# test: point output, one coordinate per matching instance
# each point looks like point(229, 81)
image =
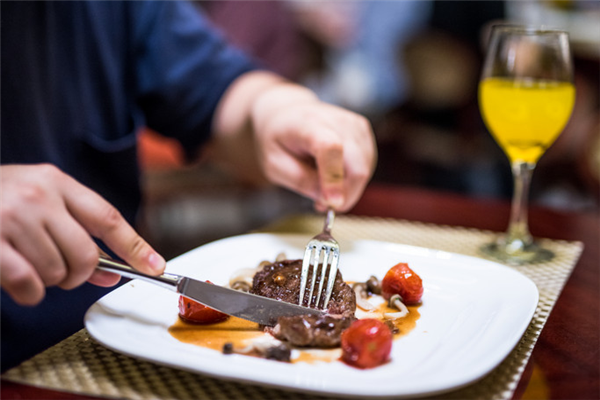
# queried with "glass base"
point(516, 252)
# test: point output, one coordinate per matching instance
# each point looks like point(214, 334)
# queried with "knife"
point(251, 307)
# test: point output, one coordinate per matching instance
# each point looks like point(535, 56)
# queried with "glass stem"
point(518, 229)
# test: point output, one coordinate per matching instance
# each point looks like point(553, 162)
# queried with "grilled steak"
point(311, 330)
point(281, 281)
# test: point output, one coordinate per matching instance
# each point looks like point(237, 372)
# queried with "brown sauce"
point(240, 333)
point(405, 324)
point(234, 330)
point(312, 356)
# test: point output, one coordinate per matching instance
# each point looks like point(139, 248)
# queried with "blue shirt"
point(79, 78)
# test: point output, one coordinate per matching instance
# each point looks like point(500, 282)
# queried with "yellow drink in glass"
point(525, 116)
point(526, 96)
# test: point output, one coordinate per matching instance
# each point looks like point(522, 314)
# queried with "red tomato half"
point(367, 343)
point(196, 313)
point(402, 280)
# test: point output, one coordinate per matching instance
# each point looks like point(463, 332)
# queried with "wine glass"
point(526, 96)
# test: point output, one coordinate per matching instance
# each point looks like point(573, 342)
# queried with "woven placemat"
point(81, 365)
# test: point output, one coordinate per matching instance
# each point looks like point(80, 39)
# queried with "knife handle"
point(166, 281)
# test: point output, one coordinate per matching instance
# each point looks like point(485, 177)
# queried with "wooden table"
point(566, 359)
point(565, 363)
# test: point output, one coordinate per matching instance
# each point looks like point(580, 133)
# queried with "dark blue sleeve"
point(183, 68)
point(75, 78)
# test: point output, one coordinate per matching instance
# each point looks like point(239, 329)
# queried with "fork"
point(322, 250)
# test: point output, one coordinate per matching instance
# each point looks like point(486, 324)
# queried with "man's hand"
point(47, 220)
point(317, 149)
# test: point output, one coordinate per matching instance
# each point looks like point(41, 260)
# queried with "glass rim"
point(528, 29)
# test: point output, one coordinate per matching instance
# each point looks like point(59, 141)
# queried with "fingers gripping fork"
point(319, 267)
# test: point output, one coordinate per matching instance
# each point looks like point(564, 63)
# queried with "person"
point(364, 68)
point(78, 80)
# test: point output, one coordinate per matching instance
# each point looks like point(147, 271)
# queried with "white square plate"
point(473, 314)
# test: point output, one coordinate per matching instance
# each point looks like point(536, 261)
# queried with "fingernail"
point(336, 200)
point(157, 263)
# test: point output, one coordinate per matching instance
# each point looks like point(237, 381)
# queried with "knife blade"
point(251, 307)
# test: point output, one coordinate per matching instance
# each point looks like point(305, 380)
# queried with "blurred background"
point(411, 67)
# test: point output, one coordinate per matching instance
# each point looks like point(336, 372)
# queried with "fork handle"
point(166, 281)
point(329, 221)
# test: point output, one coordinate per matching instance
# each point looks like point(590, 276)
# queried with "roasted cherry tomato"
point(402, 280)
point(367, 343)
point(196, 313)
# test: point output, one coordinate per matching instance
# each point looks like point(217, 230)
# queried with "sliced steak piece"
point(281, 281)
point(312, 331)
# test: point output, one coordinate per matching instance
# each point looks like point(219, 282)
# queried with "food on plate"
point(281, 281)
point(278, 351)
point(196, 313)
point(367, 343)
point(238, 331)
point(364, 290)
point(362, 319)
point(312, 331)
point(373, 285)
point(242, 278)
point(396, 302)
point(403, 281)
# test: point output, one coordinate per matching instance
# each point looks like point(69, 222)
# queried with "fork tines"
point(319, 268)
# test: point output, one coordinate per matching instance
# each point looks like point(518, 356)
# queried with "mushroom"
point(373, 285)
point(244, 275)
point(272, 350)
point(360, 289)
point(396, 302)
point(242, 278)
point(242, 286)
point(392, 326)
